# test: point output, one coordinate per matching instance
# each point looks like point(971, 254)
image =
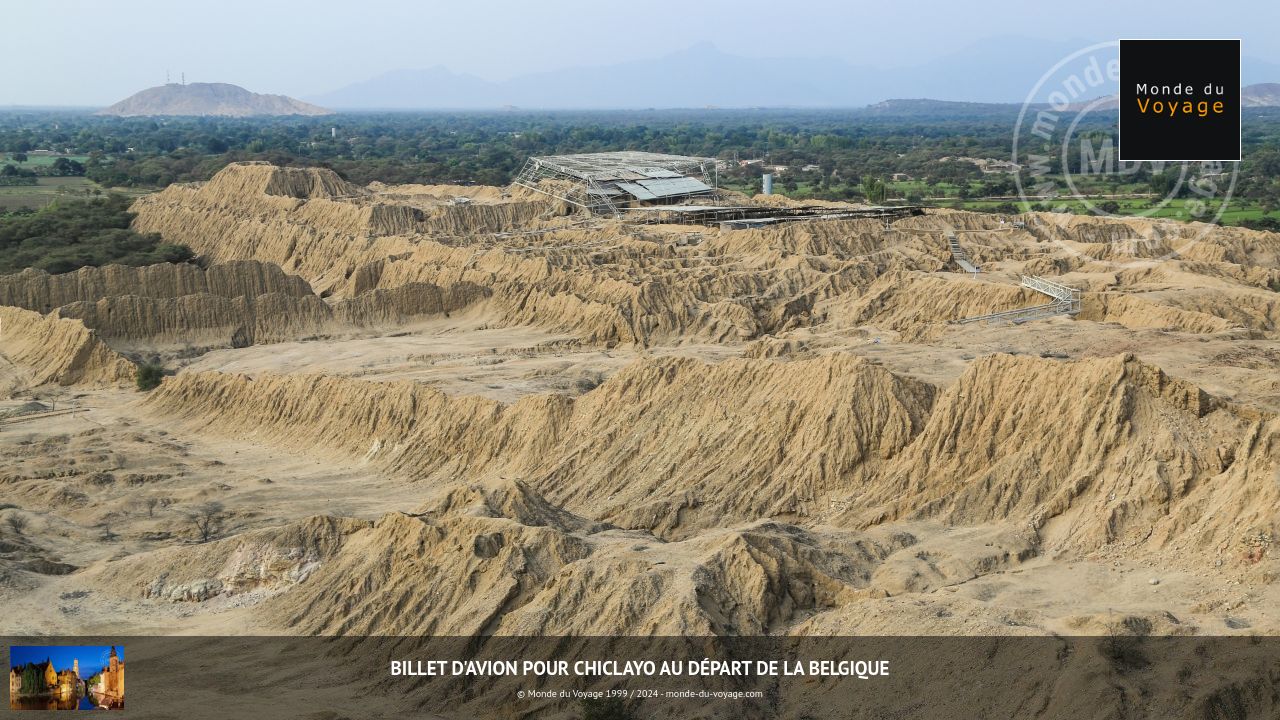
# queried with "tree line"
point(827, 153)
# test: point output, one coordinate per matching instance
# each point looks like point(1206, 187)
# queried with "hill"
point(201, 99)
point(1261, 95)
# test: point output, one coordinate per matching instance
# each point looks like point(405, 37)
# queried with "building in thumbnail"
point(110, 687)
point(69, 680)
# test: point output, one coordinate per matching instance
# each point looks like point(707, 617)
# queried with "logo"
point(1180, 100)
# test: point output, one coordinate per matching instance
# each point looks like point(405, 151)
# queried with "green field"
point(1237, 210)
point(946, 195)
point(50, 189)
point(35, 161)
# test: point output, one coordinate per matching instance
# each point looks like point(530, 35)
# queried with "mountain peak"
point(208, 99)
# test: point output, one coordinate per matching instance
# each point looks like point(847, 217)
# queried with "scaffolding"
point(604, 183)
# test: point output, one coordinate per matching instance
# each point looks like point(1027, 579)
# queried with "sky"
point(95, 52)
point(92, 657)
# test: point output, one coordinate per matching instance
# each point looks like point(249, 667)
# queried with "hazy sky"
point(94, 52)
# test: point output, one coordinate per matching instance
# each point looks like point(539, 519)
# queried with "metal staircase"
point(1066, 301)
point(958, 254)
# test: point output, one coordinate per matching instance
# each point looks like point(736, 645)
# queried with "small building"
point(901, 177)
point(998, 166)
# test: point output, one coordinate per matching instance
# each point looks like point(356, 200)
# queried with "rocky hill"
point(1261, 95)
point(204, 99)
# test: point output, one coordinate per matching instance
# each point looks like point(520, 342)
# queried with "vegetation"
point(77, 233)
point(11, 175)
point(207, 518)
point(17, 523)
point(150, 503)
point(874, 190)
point(148, 376)
point(912, 154)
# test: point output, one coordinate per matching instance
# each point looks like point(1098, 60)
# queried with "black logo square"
point(1179, 100)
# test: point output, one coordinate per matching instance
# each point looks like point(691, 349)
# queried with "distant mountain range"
point(204, 99)
point(997, 70)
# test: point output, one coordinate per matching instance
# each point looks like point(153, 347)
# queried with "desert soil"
point(427, 416)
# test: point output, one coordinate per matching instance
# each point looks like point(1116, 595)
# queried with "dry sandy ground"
point(655, 430)
point(460, 355)
point(112, 432)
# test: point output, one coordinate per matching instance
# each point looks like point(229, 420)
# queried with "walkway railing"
point(1066, 301)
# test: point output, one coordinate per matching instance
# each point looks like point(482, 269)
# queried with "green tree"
point(874, 190)
point(64, 167)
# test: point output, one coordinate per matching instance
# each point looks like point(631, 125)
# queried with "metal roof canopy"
point(645, 176)
point(608, 165)
point(639, 192)
point(668, 187)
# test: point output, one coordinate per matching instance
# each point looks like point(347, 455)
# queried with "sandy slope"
point(422, 415)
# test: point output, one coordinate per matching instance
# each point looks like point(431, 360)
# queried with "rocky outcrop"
point(612, 283)
point(920, 306)
point(531, 573)
point(37, 290)
point(214, 320)
point(1134, 311)
point(668, 445)
point(1087, 452)
point(60, 351)
point(272, 560)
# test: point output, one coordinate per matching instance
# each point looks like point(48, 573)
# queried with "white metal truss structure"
point(1066, 301)
point(602, 182)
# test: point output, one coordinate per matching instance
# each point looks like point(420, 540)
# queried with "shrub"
point(148, 376)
